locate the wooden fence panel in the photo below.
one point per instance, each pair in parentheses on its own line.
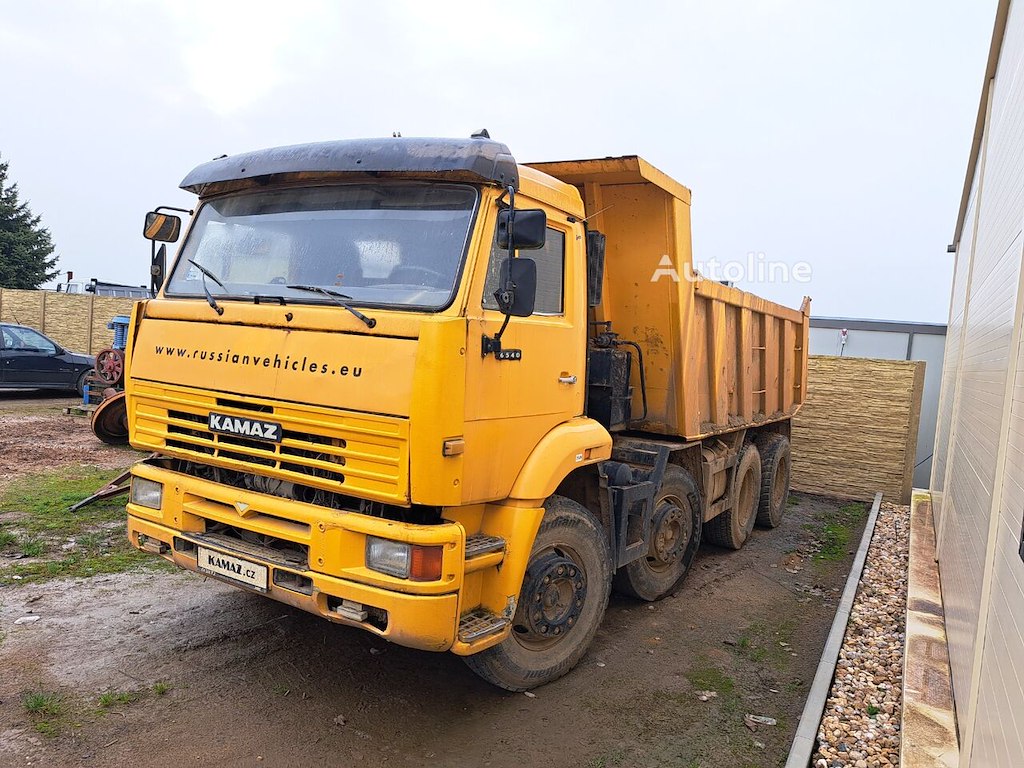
(76,321)
(67,319)
(857,432)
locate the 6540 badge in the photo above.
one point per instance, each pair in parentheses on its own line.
(236,425)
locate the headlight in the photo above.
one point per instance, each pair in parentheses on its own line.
(147,493)
(406,561)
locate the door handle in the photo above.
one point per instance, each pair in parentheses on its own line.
(567,379)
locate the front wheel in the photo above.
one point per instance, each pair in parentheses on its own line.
(80,384)
(673,540)
(561,603)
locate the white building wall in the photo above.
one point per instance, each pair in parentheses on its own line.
(979,461)
(954,347)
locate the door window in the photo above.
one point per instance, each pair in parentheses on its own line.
(28,340)
(550,274)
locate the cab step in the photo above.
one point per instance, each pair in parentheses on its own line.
(479,624)
(479,544)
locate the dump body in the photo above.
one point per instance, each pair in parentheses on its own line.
(716,358)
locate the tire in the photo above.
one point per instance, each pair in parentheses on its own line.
(534,653)
(80,384)
(731,528)
(776,463)
(674,540)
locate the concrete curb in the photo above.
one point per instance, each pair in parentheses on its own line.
(929,738)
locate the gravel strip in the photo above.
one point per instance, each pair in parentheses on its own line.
(861,724)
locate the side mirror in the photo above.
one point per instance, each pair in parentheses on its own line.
(157,268)
(161,227)
(595,266)
(521,274)
(529,229)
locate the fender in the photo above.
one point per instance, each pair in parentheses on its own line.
(572,444)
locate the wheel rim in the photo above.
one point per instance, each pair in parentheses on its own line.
(110,366)
(745,500)
(554,593)
(779,482)
(670,534)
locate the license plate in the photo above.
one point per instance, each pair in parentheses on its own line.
(235,568)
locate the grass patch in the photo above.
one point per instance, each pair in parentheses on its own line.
(835,529)
(36,513)
(835,538)
(873,710)
(7,539)
(116,698)
(40,502)
(43,704)
(79,565)
(46,710)
(766,643)
(609,759)
(49,728)
(160,688)
(32,547)
(710,678)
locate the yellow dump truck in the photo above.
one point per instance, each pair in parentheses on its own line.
(412,386)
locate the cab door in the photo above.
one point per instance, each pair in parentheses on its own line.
(513,401)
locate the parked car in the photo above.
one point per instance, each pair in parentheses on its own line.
(30,360)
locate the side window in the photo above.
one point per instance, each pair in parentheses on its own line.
(33,341)
(550,274)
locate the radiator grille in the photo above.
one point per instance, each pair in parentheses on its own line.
(351,453)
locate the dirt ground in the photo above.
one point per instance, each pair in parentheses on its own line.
(197,672)
(35,436)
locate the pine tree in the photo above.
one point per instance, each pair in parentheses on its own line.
(26,250)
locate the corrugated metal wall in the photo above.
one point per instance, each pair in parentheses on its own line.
(979,458)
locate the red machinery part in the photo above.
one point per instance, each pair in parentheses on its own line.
(110,366)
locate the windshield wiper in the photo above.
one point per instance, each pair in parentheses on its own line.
(337,298)
(209,296)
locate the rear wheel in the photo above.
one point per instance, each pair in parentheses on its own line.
(673,540)
(775,474)
(732,528)
(561,603)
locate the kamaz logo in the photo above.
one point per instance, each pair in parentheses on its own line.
(232,425)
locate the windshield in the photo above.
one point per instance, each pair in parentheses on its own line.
(388,244)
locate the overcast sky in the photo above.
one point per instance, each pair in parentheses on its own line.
(832,133)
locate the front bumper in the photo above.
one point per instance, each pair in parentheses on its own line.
(422,615)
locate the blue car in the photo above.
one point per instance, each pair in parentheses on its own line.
(30,360)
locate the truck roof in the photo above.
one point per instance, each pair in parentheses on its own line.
(472,159)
